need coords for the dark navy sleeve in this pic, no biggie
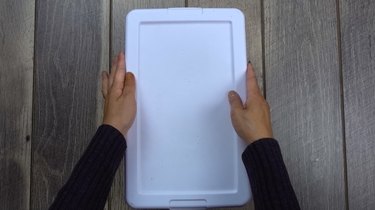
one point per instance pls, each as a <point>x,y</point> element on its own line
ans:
<point>268,176</point>
<point>90,182</point>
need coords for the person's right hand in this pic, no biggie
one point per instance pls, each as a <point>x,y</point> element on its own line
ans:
<point>251,120</point>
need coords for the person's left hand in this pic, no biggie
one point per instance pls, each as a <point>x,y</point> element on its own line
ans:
<point>118,90</point>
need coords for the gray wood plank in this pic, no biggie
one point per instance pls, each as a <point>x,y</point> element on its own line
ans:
<point>71,48</point>
<point>253,20</point>
<point>358,66</point>
<point>252,11</point>
<point>119,10</point>
<point>104,63</point>
<point>16,85</point>
<point>303,90</point>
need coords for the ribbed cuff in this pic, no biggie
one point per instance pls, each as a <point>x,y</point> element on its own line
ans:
<point>268,176</point>
<point>91,179</point>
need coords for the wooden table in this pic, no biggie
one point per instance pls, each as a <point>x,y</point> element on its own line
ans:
<point>315,62</point>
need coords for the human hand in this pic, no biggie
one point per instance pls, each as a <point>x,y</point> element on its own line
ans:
<point>118,89</point>
<point>251,120</point>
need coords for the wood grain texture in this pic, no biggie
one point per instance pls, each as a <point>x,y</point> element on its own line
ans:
<point>252,11</point>
<point>253,20</point>
<point>16,85</point>
<point>120,9</point>
<point>303,90</point>
<point>358,66</point>
<point>69,53</point>
<point>104,63</point>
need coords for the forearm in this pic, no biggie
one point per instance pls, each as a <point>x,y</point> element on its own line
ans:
<point>91,179</point>
<point>268,176</point>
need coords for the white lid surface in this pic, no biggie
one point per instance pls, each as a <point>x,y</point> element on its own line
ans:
<point>182,149</point>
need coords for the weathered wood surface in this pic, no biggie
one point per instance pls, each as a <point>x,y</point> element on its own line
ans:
<point>16,85</point>
<point>71,48</point>
<point>120,9</point>
<point>294,45</point>
<point>303,89</point>
<point>358,66</point>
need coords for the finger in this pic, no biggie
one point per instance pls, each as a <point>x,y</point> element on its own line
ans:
<point>121,61</point>
<point>129,87</point>
<point>252,88</point>
<point>114,63</point>
<point>234,100</point>
<point>105,81</point>
<point>113,70</point>
<point>124,62</point>
<point>119,80</point>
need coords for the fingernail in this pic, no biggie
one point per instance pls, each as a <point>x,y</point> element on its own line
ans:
<point>129,74</point>
<point>231,94</point>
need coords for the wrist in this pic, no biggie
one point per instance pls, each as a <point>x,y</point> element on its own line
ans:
<point>115,126</point>
<point>263,139</point>
<point>254,139</point>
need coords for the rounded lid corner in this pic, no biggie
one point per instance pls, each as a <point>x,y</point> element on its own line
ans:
<point>238,13</point>
<point>131,14</point>
<point>129,200</point>
<point>243,200</point>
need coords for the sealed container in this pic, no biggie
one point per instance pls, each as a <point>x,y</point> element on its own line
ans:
<point>182,149</point>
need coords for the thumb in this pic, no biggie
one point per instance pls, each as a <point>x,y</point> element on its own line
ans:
<point>234,100</point>
<point>129,87</point>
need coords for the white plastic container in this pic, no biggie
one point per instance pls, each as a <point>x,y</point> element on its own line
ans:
<point>182,149</point>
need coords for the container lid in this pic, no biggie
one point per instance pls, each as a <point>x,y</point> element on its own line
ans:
<point>182,149</point>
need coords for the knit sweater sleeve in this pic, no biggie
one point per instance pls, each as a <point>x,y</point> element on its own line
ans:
<point>268,176</point>
<point>91,179</point>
